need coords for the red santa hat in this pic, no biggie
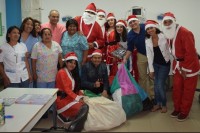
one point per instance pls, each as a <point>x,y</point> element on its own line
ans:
<point>91,7</point>
<point>110,16</point>
<point>121,22</point>
<point>131,17</point>
<point>101,12</point>
<point>169,15</point>
<point>70,56</point>
<point>97,52</point>
<point>151,23</point>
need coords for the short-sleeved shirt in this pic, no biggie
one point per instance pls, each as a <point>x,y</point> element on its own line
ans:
<point>13,59</point>
<point>47,60</point>
<point>137,40</point>
<point>77,43</point>
<point>29,42</point>
<point>57,32</point>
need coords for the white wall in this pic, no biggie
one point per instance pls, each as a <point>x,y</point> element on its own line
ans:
<point>31,8</point>
<point>3,13</point>
<point>186,11</point>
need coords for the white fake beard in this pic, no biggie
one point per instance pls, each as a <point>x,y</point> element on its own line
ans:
<point>88,18</point>
<point>169,31</point>
<point>101,21</point>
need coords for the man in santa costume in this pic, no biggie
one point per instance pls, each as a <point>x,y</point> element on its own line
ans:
<point>90,28</point>
<point>185,65</point>
<point>101,20</point>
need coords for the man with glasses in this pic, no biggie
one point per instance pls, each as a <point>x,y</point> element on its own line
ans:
<point>136,39</point>
<point>185,65</point>
<point>91,29</point>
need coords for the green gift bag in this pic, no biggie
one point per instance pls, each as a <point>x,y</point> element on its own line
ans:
<point>90,94</point>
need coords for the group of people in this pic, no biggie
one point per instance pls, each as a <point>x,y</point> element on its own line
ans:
<point>155,47</point>
<point>82,51</point>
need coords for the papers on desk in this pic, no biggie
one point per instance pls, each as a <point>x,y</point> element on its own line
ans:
<point>38,99</point>
<point>8,101</point>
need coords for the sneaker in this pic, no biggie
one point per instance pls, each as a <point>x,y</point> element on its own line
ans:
<point>63,119</point>
<point>174,114</point>
<point>182,117</point>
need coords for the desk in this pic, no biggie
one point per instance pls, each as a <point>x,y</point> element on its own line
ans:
<point>25,115</point>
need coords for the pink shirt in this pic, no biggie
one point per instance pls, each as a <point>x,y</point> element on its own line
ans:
<point>56,31</point>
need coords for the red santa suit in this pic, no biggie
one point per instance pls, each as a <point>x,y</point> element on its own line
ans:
<point>92,32</point>
<point>112,45</point>
<point>101,21</point>
<point>70,105</point>
<point>110,48</point>
<point>186,59</point>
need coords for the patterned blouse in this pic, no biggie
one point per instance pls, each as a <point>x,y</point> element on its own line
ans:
<point>76,43</point>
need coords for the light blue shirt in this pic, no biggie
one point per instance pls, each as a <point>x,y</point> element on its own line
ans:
<point>76,43</point>
<point>29,42</point>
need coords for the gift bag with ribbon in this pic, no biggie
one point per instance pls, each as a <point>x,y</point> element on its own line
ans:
<point>126,92</point>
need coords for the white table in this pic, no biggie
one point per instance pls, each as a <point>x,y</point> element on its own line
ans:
<point>25,115</point>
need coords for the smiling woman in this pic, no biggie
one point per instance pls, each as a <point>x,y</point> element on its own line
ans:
<point>72,41</point>
<point>14,66</point>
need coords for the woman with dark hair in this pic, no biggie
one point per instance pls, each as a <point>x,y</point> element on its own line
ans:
<point>28,37</point>
<point>121,32</point>
<point>46,54</point>
<point>37,29</point>
<point>14,66</point>
<point>121,38</point>
<point>72,41</point>
<point>28,33</point>
<point>158,56</point>
<point>70,101</point>
<point>111,44</point>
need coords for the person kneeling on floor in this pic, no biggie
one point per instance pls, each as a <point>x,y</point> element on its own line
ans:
<point>70,105</point>
<point>94,75</point>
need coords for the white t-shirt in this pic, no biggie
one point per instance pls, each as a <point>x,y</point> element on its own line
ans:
<point>13,58</point>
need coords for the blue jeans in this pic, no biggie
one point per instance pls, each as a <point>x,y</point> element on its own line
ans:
<point>161,73</point>
<point>23,84</point>
<point>46,84</point>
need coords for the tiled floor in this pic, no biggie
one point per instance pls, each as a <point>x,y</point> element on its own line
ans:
<point>153,121</point>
